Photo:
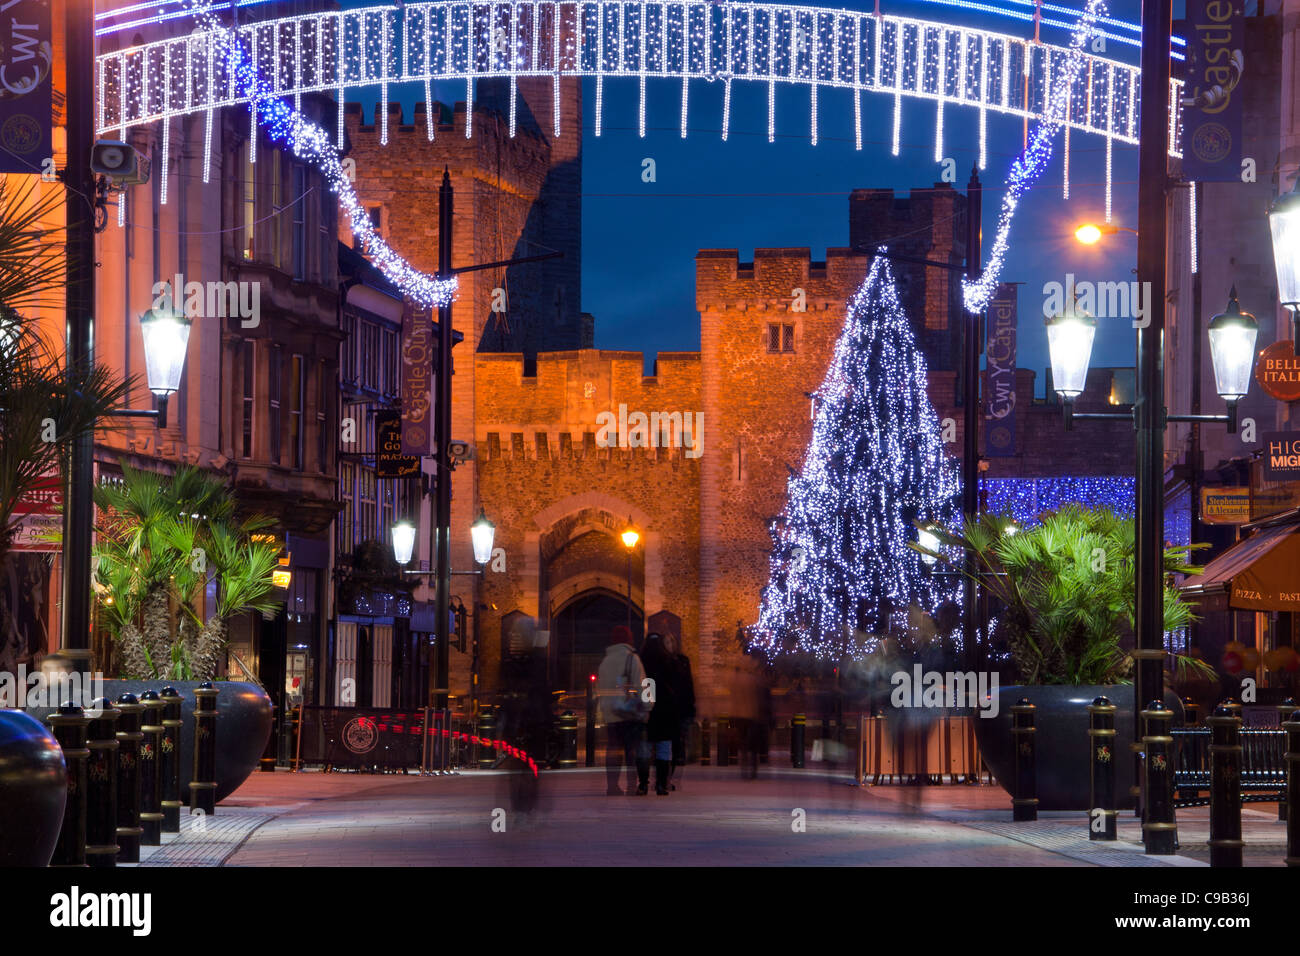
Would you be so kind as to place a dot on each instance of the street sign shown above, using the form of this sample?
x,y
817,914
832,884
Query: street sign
x,y
1281,458
389,460
39,517
416,437
1000,374
1225,505
1278,371
1213,90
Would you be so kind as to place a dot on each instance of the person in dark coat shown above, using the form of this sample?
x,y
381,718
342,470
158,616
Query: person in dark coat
x,y
684,689
665,717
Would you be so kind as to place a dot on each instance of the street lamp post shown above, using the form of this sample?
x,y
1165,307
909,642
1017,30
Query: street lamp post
x,y
630,537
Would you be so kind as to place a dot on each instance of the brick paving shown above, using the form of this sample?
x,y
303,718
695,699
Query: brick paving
x,y
716,818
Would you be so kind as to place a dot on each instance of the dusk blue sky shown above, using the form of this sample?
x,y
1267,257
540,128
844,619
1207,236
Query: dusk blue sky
x,y
640,239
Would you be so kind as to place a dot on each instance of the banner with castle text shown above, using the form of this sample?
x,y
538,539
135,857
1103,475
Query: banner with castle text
x,y
1215,69
1000,374
26,88
417,381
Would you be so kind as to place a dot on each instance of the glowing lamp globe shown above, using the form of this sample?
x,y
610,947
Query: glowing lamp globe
x,y
403,542
1088,234
1284,221
1232,349
630,538
482,532
928,540
166,333
1069,342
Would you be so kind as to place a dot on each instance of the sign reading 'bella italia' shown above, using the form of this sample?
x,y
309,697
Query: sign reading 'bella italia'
x,y
1278,371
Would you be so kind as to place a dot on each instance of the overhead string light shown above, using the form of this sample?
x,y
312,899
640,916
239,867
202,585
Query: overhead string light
x,y
1027,168
309,143
1192,227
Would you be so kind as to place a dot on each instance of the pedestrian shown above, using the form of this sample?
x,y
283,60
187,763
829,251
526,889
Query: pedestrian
x,y
684,689
751,714
665,722
623,711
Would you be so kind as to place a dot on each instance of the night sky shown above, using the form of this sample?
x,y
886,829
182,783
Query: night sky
x,y
640,239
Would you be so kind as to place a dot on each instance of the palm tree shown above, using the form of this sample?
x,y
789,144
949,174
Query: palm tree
x,y
160,538
44,407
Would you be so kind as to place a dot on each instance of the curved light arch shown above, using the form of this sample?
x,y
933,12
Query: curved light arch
x,y
821,49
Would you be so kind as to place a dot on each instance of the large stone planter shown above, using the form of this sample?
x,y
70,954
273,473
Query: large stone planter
x,y
1061,717
243,727
33,790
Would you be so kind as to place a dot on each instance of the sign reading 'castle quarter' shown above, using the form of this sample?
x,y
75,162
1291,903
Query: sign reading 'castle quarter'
x,y
417,381
26,91
1000,374
1214,84
1282,456
1278,371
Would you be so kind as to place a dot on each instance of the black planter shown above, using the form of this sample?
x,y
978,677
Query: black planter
x,y
1061,717
33,790
243,727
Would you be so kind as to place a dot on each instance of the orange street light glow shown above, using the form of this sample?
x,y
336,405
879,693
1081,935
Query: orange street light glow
x,y
1088,234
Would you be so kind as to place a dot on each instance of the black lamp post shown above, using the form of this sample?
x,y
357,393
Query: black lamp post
x,y
630,537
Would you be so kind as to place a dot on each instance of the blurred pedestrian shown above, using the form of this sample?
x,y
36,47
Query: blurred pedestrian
x,y
665,721
684,687
751,713
623,712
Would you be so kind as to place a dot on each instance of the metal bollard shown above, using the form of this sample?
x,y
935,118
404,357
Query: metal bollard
x,y
203,782
724,741
487,725
1292,728
590,735
70,727
101,784
706,742
1225,788
798,736
129,738
169,763
150,774
1024,801
567,724
1101,781
1159,827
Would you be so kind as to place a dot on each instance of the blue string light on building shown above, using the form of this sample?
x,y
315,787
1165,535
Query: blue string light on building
x,y
1024,499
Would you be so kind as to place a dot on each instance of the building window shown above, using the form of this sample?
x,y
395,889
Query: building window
x,y
297,395
390,384
780,338
366,497
249,207
247,354
276,160
348,352
370,356
329,244
347,492
322,417
299,240
274,386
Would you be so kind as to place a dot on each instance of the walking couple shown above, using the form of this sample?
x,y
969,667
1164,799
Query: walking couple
x,y
645,718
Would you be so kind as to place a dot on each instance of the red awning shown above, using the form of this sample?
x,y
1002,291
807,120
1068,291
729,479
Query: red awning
x,y
1261,573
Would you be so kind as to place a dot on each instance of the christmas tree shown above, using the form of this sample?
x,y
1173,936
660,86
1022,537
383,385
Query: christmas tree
x,y
842,573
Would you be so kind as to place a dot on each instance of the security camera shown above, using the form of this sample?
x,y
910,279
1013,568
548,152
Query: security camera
x,y
459,451
120,162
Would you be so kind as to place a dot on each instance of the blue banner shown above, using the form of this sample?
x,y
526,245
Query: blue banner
x,y
1215,31
26,85
1000,374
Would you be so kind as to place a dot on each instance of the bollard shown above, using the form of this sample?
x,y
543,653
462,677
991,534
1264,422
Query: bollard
x,y
70,727
1024,801
1292,728
169,762
101,784
1101,780
724,741
1225,787
1159,828
1191,712
590,735
706,742
798,734
203,782
150,772
487,725
129,738
567,723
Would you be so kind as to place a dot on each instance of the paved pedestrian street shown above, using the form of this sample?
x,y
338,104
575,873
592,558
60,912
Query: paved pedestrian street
x,y
717,818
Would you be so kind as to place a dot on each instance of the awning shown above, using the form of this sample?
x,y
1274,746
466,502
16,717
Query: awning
x,y
1261,573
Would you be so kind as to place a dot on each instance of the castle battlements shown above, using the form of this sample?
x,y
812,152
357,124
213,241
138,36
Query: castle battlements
x,y
776,279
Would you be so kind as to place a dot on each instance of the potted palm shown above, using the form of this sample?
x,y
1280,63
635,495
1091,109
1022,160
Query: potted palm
x,y
161,539
1065,597
46,406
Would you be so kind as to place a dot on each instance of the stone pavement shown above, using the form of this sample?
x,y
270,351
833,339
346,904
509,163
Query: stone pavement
x,y
716,818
